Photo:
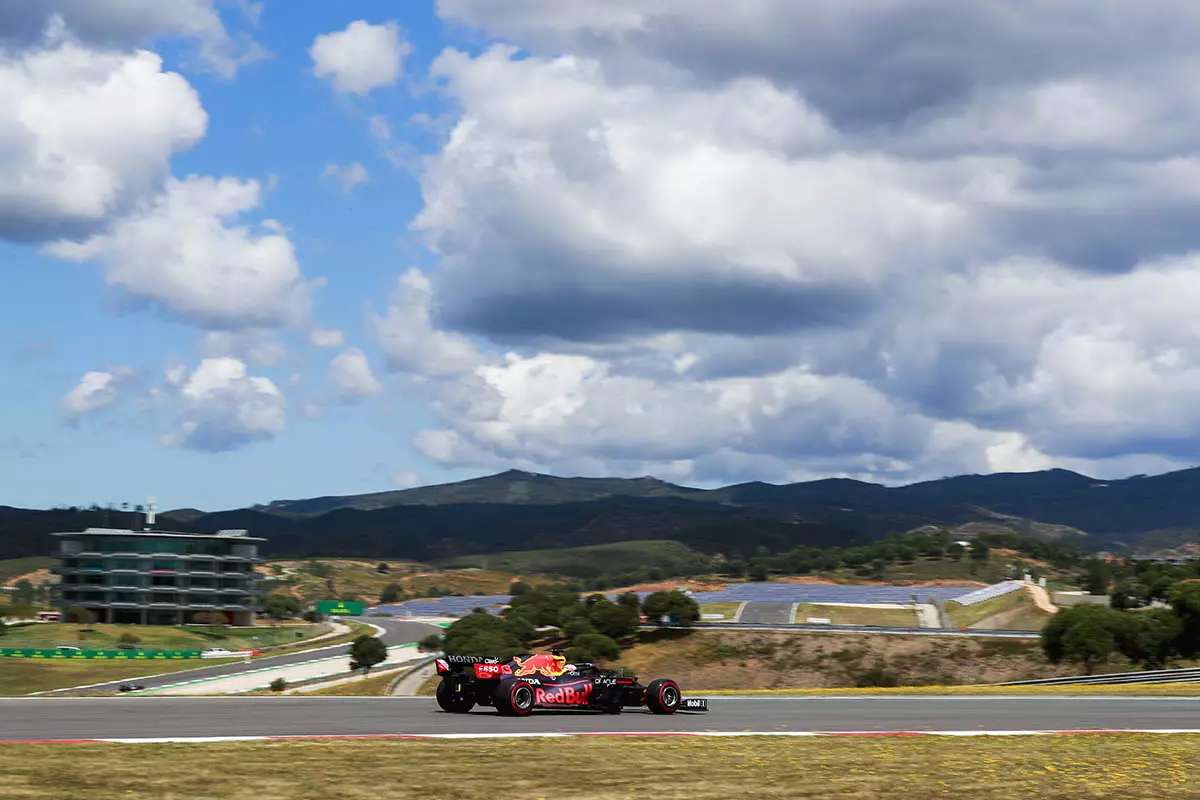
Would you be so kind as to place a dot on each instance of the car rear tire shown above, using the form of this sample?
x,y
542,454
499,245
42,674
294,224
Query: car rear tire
x,y
663,696
453,700
514,698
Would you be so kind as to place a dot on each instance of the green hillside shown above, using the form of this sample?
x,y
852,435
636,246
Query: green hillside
x,y
671,558
511,487
14,567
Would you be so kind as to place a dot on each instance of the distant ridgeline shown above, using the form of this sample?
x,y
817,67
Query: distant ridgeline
x,y
515,511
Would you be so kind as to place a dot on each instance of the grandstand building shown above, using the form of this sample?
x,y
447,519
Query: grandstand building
x,y
153,577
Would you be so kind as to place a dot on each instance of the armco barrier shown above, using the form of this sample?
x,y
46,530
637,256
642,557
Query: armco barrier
x,y
1146,676
131,655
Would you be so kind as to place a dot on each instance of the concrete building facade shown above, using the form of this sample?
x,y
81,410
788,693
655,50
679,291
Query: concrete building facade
x,y
159,577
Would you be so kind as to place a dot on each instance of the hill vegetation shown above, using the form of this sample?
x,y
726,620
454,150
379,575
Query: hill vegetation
x,y
654,559
523,511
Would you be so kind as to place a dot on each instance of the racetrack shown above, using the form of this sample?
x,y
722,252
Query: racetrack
x,y
395,632
163,717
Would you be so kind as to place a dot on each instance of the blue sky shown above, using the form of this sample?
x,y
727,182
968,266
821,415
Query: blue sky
x,y
328,248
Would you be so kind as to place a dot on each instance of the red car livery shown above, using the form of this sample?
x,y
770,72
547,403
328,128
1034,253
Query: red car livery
x,y
517,686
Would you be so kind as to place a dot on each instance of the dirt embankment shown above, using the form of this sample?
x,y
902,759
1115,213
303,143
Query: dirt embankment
x,y
703,660
38,577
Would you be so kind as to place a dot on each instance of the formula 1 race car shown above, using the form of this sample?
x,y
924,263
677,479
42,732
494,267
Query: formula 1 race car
x,y
516,686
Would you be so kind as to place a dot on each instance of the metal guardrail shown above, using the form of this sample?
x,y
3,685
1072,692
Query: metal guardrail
x,y
1145,676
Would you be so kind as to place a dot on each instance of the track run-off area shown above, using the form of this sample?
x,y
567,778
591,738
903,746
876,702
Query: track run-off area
x,y
221,718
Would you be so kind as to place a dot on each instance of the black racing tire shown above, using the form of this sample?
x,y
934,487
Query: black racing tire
x,y
514,698
663,696
456,702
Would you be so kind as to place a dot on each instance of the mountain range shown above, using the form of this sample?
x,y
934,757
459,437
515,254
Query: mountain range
x,y
517,510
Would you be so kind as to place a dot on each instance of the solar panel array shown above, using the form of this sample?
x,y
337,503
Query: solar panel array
x,y
749,592
988,592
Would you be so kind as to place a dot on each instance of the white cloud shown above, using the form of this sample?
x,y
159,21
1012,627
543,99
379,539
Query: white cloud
x,y
350,371
254,346
783,241
127,23
85,133
96,390
361,58
349,176
409,339
184,253
326,337
219,407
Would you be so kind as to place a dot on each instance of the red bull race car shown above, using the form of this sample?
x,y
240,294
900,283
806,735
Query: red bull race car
x,y
516,686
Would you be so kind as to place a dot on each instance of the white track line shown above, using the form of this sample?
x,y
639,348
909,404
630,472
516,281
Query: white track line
x,y
626,735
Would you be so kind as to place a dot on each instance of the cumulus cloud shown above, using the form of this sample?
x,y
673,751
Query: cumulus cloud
x,y
350,371
96,389
891,240
409,339
127,23
220,407
84,133
349,176
254,346
184,253
361,58
326,337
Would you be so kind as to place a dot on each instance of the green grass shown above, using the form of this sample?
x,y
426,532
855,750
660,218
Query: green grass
x,y
156,637
1130,767
589,561
728,609
858,615
20,676
12,567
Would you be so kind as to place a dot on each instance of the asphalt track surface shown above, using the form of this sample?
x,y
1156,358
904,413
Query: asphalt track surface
x,y
396,632
163,717
767,614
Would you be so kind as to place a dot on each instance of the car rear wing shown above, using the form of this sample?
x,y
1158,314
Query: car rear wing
x,y
480,666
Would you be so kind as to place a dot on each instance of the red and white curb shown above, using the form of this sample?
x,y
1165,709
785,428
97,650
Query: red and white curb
x,y
621,734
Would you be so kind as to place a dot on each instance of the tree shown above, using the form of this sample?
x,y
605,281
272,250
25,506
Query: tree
x,y
23,591
630,600
366,651
481,634
1097,577
382,567
430,644
674,605
518,588
1185,602
390,594
614,620
592,647
955,551
979,550
758,572
1088,643
278,606
1158,636
1123,597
